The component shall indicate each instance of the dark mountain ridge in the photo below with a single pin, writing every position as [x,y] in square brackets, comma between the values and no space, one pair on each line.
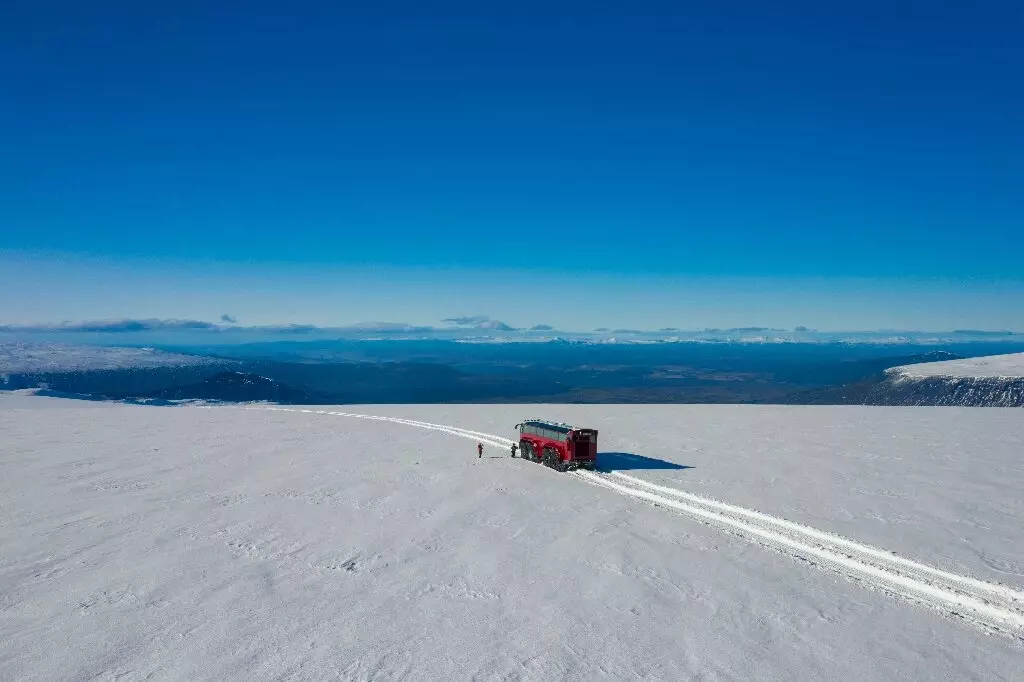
[238,387]
[897,387]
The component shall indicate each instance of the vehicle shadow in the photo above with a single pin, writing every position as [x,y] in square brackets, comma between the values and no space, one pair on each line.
[626,461]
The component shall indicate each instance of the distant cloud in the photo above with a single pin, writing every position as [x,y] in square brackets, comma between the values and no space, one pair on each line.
[496,325]
[754,330]
[472,328]
[479,322]
[468,321]
[120,326]
[385,327]
[284,328]
[111,326]
[361,328]
[983,332]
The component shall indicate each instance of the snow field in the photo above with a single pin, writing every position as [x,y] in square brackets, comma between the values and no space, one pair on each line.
[992,606]
[225,543]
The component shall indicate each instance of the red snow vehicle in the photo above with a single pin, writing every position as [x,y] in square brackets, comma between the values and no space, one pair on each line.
[559,446]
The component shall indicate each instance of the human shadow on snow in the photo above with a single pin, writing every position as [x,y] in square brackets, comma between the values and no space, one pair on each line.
[626,461]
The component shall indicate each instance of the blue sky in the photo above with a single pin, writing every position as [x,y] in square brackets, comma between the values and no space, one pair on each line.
[839,165]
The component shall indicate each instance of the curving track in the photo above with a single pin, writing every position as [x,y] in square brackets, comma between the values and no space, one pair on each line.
[993,607]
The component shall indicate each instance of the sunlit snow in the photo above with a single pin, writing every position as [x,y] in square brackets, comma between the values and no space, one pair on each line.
[259,542]
[1009,366]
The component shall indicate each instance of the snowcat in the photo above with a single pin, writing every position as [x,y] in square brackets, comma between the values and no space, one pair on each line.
[560,446]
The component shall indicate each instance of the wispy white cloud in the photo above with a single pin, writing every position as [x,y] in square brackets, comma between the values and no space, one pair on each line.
[128,325]
[111,326]
[467,321]
[155,331]
[496,325]
[479,322]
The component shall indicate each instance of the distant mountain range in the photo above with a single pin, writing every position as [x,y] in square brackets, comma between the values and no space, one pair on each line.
[467,330]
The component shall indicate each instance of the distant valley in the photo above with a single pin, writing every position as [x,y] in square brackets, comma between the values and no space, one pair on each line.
[450,372]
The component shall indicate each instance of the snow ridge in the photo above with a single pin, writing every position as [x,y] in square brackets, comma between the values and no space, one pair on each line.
[1008,366]
[990,606]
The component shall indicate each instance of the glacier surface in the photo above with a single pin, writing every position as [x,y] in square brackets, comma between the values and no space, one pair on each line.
[1008,366]
[258,542]
[26,358]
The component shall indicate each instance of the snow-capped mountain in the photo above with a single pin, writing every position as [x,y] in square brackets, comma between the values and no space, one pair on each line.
[993,381]
[19,357]
[1009,367]
[989,381]
[101,371]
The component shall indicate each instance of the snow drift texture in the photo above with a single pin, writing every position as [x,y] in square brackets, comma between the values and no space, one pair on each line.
[233,543]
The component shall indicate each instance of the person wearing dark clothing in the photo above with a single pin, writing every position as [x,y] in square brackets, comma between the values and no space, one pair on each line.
[514,447]
[479,450]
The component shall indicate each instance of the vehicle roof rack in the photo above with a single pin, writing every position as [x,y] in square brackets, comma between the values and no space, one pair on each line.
[550,422]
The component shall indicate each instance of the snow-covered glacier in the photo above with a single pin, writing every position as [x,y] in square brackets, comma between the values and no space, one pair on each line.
[992,381]
[42,358]
[717,542]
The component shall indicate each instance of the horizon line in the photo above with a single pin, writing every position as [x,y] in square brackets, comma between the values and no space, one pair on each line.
[463,325]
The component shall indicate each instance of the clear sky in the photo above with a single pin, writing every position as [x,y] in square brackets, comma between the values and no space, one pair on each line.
[833,164]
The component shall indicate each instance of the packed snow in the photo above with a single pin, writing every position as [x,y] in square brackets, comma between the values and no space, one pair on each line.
[721,542]
[17,357]
[1009,366]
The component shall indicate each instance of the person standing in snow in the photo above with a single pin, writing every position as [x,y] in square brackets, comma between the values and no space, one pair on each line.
[514,446]
[479,450]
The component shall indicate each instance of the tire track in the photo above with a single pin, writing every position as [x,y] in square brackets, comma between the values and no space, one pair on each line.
[489,439]
[990,606]
[999,594]
[954,595]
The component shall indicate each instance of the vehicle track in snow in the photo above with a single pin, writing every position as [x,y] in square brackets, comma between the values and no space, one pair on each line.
[994,607]
[991,606]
